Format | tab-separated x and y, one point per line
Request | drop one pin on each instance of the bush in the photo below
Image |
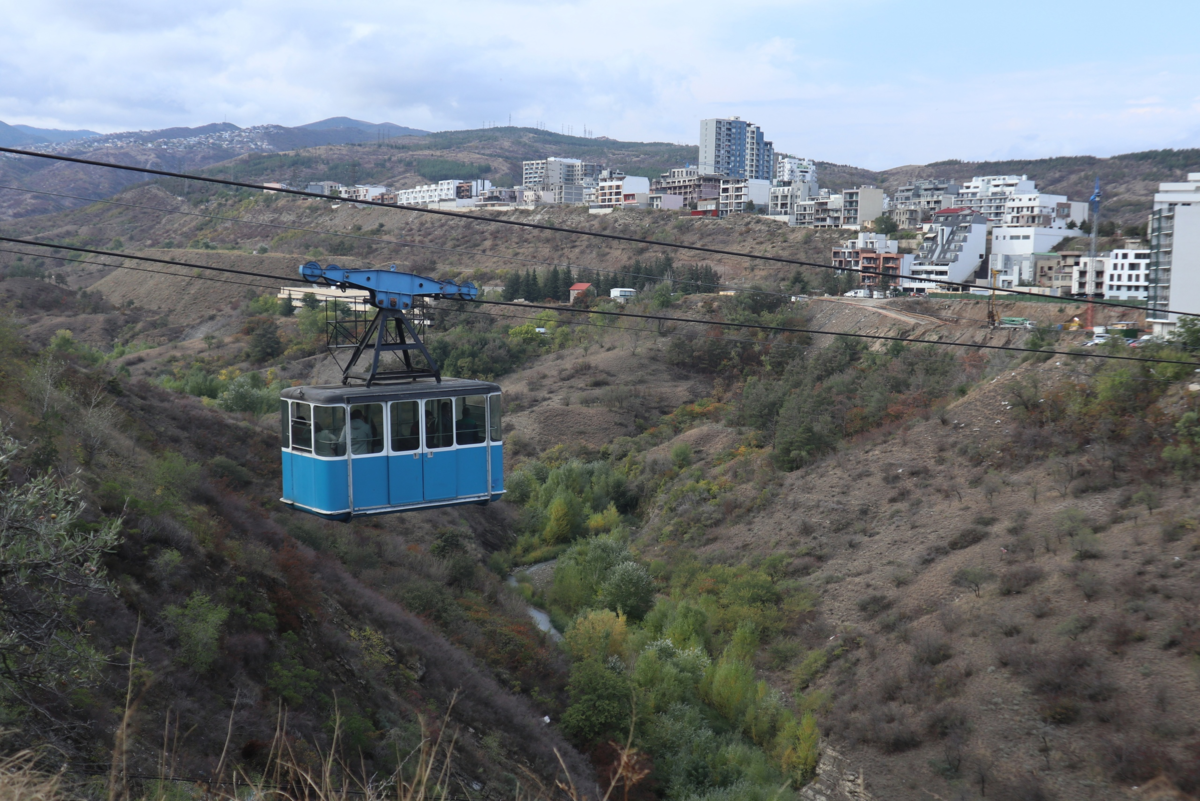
931	649
237	476
198	624
599	708
874	605
967	537
812	666
597	635
681	455
1019	579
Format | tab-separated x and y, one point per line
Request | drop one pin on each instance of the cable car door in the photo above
406	483
440	458
368	457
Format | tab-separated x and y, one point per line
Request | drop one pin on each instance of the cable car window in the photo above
470	418
366	428
301	426
439	423
284	424
406	426
329	430
494	417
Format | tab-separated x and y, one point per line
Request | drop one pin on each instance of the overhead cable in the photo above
529	225
634	315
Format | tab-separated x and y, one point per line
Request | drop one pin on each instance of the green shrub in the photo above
231	471
599	708
289	678
198	624
812	666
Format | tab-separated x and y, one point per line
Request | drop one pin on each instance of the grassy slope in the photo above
318	610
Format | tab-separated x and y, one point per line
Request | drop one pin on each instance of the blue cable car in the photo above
402	439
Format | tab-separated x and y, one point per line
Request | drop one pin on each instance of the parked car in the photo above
858	293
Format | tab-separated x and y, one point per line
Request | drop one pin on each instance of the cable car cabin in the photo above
350	451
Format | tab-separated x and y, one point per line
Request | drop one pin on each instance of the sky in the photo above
872	83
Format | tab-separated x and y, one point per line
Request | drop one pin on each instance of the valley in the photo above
936	571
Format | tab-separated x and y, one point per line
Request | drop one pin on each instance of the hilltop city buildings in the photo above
954	235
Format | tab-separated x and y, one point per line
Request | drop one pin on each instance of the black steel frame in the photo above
381	336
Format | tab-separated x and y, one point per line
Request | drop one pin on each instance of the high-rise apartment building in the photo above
736	149
1174	254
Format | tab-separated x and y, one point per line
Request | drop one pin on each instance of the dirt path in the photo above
906	317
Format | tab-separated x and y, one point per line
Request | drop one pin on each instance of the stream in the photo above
540	617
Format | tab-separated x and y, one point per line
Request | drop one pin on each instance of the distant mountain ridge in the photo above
385	128
16	135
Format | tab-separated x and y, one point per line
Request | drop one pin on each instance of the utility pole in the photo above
992	301
1094	214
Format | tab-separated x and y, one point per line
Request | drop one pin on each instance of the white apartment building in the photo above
616	190
362	192
952	248
1012	259
1038	210
1174	254
1118	275
736	149
785	195
988	195
796	170
823	211
736	193
442	191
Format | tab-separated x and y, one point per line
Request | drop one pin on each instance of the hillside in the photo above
352	151
178	149
1128	181
774	558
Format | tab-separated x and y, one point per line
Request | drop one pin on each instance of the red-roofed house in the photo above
580	289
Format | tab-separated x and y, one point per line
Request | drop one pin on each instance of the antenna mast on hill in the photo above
1094	214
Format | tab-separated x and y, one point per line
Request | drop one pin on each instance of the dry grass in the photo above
299	771
20	780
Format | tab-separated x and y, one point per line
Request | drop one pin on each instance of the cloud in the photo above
825	80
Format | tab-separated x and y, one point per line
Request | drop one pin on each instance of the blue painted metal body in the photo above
389	289
406	472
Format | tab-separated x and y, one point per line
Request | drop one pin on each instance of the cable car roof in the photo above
337	394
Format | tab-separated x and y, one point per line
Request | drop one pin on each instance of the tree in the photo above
264	342
1187	333
533	289
48	557
973	578
628	589
514	287
553	286
884	224
309	301
601	633
599	709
